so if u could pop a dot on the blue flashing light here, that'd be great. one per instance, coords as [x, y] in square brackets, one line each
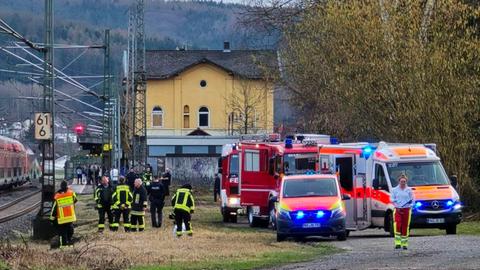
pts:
[367, 151]
[333, 140]
[449, 203]
[300, 214]
[320, 214]
[288, 143]
[418, 204]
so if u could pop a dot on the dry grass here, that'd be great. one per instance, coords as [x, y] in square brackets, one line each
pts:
[212, 244]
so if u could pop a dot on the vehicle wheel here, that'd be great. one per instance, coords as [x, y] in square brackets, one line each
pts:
[233, 218]
[347, 233]
[281, 237]
[452, 229]
[389, 222]
[225, 215]
[342, 236]
[272, 219]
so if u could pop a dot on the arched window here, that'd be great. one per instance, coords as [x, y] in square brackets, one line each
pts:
[203, 117]
[157, 117]
[186, 116]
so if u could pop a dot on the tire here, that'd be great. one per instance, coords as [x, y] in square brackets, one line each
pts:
[451, 229]
[272, 219]
[281, 237]
[347, 232]
[225, 215]
[233, 218]
[342, 236]
[389, 223]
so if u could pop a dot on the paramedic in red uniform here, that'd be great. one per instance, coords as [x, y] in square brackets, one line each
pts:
[403, 200]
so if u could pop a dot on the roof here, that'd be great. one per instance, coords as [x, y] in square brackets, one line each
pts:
[164, 64]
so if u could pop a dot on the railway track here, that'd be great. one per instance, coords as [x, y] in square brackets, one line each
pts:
[20, 206]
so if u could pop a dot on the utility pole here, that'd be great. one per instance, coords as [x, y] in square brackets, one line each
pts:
[140, 87]
[41, 225]
[107, 151]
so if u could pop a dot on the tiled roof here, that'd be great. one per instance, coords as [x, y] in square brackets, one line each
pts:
[164, 64]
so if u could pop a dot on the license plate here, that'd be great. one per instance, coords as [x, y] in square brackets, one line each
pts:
[311, 225]
[435, 220]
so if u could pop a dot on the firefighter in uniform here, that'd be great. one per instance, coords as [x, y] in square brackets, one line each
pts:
[103, 198]
[156, 196]
[403, 200]
[183, 206]
[63, 214]
[147, 176]
[139, 205]
[122, 200]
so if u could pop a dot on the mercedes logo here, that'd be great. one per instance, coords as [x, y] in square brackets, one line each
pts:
[435, 204]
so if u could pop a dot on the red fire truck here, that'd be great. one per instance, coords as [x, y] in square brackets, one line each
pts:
[252, 171]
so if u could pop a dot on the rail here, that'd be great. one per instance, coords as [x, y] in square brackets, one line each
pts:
[21, 212]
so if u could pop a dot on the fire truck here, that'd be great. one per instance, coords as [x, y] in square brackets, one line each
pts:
[252, 170]
[368, 172]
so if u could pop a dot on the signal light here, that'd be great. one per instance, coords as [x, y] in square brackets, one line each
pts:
[79, 129]
[449, 203]
[320, 214]
[418, 204]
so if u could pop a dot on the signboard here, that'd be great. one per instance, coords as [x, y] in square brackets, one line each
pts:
[107, 147]
[43, 126]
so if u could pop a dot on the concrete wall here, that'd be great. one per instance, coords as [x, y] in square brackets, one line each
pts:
[198, 171]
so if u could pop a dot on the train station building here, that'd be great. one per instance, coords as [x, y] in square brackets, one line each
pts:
[199, 100]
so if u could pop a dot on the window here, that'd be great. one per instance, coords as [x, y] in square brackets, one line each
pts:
[186, 116]
[203, 117]
[203, 83]
[380, 176]
[252, 161]
[157, 117]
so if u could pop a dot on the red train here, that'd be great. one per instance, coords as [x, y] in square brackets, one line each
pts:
[15, 163]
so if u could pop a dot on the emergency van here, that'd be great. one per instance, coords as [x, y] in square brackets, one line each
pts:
[368, 173]
[252, 170]
[310, 205]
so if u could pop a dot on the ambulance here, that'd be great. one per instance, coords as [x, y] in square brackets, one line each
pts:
[369, 172]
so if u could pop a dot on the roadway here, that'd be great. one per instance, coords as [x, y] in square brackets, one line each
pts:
[373, 249]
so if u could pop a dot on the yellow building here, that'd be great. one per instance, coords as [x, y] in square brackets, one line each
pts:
[198, 100]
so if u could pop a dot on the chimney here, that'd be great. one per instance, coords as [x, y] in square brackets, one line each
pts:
[226, 46]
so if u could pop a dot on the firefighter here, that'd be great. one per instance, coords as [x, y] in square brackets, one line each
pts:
[63, 214]
[183, 206]
[139, 205]
[403, 200]
[103, 198]
[122, 200]
[147, 177]
[156, 196]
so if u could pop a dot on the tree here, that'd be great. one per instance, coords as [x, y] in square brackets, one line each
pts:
[402, 71]
[247, 107]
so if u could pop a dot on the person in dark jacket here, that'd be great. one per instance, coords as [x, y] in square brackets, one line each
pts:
[183, 206]
[139, 205]
[156, 196]
[131, 176]
[216, 187]
[103, 198]
[167, 180]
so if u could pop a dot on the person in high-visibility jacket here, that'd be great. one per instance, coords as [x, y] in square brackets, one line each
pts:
[103, 198]
[183, 206]
[63, 214]
[139, 205]
[122, 201]
[403, 200]
[147, 176]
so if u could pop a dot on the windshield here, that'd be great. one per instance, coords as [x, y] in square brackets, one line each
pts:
[310, 188]
[234, 165]
[418, 173]
[299, 163]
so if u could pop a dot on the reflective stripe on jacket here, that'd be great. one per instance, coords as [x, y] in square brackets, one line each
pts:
[122, 196]
[63, 207]
[183, 200]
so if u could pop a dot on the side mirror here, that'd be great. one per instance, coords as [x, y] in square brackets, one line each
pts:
[375, 183]
[346, 197]
[454, 181]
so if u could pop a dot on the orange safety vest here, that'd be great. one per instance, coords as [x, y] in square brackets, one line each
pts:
[65, 207]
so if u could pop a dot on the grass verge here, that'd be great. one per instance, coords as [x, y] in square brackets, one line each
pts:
[466, 228]
[215, 245]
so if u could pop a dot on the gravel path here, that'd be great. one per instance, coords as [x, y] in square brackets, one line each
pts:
[372, 249]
